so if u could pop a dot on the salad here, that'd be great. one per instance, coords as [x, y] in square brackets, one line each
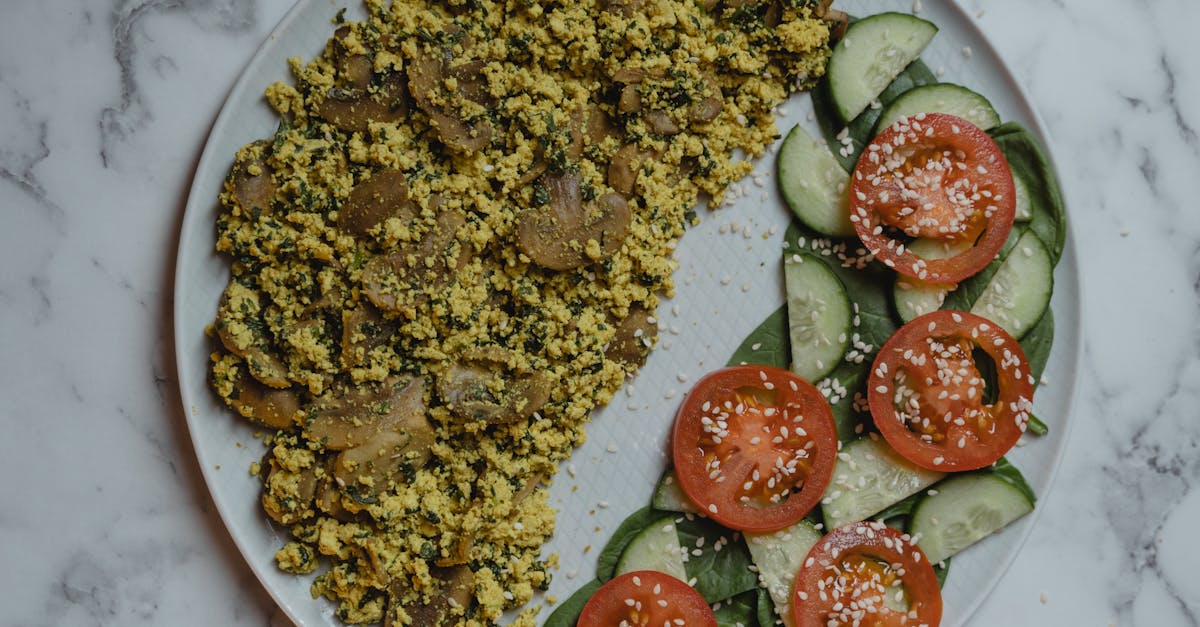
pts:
[856, 440]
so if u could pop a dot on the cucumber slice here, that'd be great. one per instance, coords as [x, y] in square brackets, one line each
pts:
[913, 297]
[818, 315]
[1024, 199]
[655, 548]
[778, 557]
[940, 98]
[814, 184]
[965, 509]
[870, 476]
[870, 55]
[669, 496]
[1019, 292]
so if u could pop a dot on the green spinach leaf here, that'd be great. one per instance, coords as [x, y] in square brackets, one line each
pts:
[567, 612]
[766, 608]
[1004, 469]
[940, 570]
[740, 610]
[719, 574]
[1029, 162]
[636, 522]
[1036, 344]
[768, 344]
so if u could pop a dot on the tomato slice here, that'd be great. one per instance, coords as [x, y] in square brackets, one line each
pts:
[646, 598]
[754, 447]
[866, 574]
[933, 177]
[929, 397]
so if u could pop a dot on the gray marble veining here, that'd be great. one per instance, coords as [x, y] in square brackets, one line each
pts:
[104, 107]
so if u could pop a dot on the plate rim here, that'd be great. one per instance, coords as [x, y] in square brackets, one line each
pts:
[197, 198]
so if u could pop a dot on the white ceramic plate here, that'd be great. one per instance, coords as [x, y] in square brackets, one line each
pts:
[729, 280]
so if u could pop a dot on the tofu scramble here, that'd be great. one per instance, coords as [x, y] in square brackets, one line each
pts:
[451, 251]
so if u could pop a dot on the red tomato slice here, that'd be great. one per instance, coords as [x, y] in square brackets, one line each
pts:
[866, 574]
[927, 394]
[934, 176]
[646, 598]
[754, 447]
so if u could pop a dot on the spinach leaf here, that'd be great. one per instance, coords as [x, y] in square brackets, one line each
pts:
[740, 610]
[567, 612]
[862, 128]
[900, 511]
[768, 344]
[1004, 469]
[636, 522]
[1036, 344]
[719, 574]
[940, 570]
[1028, 162]
[1036, 426]
[766, 608]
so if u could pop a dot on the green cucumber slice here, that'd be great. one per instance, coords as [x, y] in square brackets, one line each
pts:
[913, 297]
[870, 476]
[1024, 199]
[655, 548]
[964, 510]
[818, 315]
[870, 55]
[940, 98]
[778, 557]
[669, 496]
[814, 184]
[1019, 292]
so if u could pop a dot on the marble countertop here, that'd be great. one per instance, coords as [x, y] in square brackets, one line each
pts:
[105, 107]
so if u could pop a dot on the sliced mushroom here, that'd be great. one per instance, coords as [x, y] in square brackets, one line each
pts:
[482, 387]
[633, 338]
[353, 109]
[838, 21]
[399, 282]
[556, 236]
[625, 166]
[363, 328]
[599, 126]
[366, 469]
[288, 495]
[241, 330]
[356, 415]
[661, 123]
[708, 107]
[274, 408]
[456, 590]
[383, 196]
[427, 74]
[250, 182]
[328, 498]
[354, 70]
[630, 100]
[624, 8]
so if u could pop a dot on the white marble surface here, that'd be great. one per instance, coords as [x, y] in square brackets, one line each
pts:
[105, 106]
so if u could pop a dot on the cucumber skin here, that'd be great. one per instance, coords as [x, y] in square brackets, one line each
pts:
[965, 490]
[983, 114]
[842, 57]
[803, 362]
[875, 452]
[800, 157]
